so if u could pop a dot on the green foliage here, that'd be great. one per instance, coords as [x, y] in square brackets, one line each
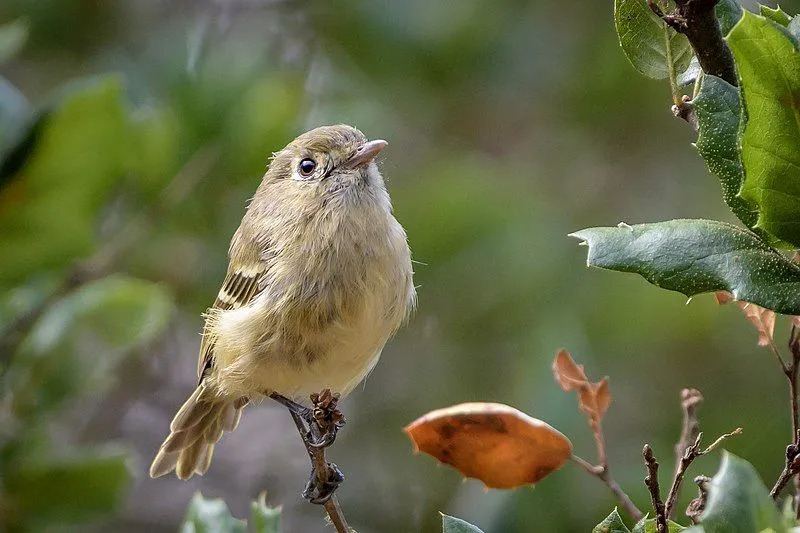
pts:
[48, 210]
[264, 519]
[696, 256]
[66, 490]
[613, 523]
[769, 69]
[652, 47]
[213, 516]
[776, 15]
[451, 524]
[210, 516]
[717, 110]
[738, 502]
[82, 338]
[12, 38]
[728, 13]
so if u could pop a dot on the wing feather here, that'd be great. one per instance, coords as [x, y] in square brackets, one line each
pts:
[240, 287]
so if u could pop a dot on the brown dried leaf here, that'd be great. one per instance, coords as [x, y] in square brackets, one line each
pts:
[796, 321]
[602, 397]
[495, 443]
[568, 374]
[762, 319]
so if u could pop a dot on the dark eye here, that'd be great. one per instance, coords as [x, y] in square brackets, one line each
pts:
[307, 167]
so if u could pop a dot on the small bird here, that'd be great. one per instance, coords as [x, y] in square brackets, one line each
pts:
[319, 279]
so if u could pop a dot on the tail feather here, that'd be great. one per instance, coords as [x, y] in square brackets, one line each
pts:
[196, 428]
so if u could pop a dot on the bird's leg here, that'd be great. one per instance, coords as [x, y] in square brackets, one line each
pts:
[318, 427]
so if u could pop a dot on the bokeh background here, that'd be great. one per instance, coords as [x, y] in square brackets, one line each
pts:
[132, 135]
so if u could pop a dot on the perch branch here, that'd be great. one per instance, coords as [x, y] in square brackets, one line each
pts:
[651, 480]
[318, 427]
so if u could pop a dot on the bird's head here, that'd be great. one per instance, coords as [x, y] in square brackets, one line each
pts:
[328, 160]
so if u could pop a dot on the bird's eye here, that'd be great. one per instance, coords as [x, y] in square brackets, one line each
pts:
[307, 167]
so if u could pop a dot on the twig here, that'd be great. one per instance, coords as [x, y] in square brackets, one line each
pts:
[100, 264]
[698, 505]
[691, 453]
[651, 480]
[791, 465]
[605, 476]
[324, 420]
[790, 468]
[697, 20]
[690, 428]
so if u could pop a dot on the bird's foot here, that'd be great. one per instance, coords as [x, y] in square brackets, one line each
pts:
[320, 492]
[326, 417]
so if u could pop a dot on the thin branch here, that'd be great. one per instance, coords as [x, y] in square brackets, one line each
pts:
[691, 453]
[790, 469]
[605, 476]
[791, 466]
[698, 505]
[697, 20]
[323, 422]
[651, 480]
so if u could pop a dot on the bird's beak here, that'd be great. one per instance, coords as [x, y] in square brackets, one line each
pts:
[366, 153]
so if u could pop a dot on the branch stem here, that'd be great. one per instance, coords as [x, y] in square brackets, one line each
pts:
[602, 473]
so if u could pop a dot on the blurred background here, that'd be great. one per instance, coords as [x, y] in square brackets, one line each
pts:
[133, 133]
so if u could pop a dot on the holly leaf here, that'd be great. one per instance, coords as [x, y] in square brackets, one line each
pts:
[717, 110]
[612, 524]
[738, 501]
[652, 47]
[697, 256]
[210, 516]
[451, 524]
[769, 70]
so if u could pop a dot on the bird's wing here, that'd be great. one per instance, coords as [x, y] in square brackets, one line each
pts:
[241, 285]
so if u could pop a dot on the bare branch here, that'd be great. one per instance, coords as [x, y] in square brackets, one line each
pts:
[604, 475]
[651, 480]
[697, 20]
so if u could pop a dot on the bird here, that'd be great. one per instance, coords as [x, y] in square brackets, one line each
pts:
[319, 278]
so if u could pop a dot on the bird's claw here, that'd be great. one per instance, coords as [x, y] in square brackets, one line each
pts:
[319, 493]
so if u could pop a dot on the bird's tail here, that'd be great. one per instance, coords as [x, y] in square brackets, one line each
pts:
[194, 432]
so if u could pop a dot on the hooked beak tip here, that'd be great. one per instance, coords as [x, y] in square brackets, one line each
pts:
[367, 152]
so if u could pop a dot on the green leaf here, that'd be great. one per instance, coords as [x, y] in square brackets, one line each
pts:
[738, 502]
[264, 519]
[728, 13]
[648, 525]
[12, 38]
[689, 76]
[777, 15]
[611, 524]
[80, 339]
[48, 210]
[451, 524]
[696, 256]
[717, 110]
[210, 516]
[794, 27]
[67, 489]
[769, 70]
[652, 47]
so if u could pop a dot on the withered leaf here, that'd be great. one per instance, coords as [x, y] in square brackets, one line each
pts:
[593, 398]
[492, 442]
[568, 374]
[763, 319]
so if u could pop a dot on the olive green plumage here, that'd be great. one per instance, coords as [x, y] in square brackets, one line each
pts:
[319, 278]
